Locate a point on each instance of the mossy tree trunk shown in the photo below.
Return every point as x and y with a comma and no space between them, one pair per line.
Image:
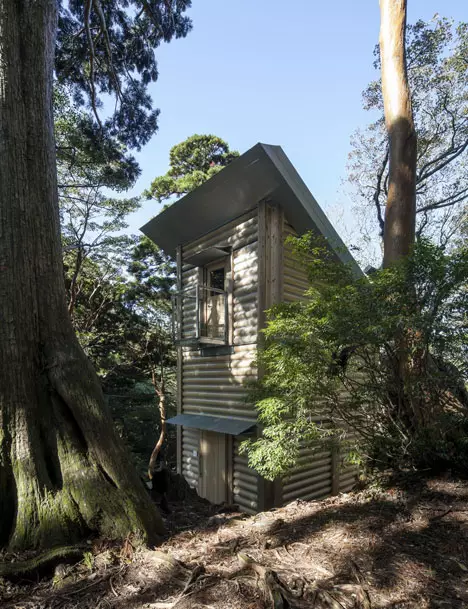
64,473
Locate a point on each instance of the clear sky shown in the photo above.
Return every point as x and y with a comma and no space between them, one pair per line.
278,72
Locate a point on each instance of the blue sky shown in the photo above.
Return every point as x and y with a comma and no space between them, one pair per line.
287,73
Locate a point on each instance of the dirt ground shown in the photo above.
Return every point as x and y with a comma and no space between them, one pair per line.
401,546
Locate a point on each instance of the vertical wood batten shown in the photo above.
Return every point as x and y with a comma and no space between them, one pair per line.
270,292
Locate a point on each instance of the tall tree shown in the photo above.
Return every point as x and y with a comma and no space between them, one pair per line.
436,54
63,470
400,211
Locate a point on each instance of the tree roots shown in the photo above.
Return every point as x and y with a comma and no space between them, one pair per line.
43,560
276,593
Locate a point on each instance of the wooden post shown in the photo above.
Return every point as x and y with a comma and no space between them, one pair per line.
270,292
335,465
229,469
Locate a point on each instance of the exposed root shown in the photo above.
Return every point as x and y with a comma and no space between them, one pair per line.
46,559
278,596
276,593
189,588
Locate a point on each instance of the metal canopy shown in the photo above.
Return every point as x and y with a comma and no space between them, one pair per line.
233,427
262,173
206,256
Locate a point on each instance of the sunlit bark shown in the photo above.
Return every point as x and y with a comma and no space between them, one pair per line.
400,211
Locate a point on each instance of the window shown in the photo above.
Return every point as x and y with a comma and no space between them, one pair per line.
214,311
200,312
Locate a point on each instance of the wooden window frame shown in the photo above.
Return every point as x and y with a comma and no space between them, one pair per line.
204,274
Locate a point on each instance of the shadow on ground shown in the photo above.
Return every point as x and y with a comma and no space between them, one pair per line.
406,545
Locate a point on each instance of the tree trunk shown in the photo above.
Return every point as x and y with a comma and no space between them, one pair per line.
400,211
64,473
160,390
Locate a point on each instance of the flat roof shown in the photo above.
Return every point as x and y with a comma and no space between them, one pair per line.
262,173
233,427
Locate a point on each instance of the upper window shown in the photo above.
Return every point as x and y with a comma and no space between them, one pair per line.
214,311
200,312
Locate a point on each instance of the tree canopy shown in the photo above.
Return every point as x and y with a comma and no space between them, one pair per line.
437,58
192,162
107,48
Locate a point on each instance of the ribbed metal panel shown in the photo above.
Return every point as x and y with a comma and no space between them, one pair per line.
294,277
348,472
245,282
189,280
312,478
348,477
245,482
190,458
215,384
235,234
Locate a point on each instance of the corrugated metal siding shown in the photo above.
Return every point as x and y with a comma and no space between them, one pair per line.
245,308
190,458
294,277
235,234
245,482
189,280
214,384
312,478
348,475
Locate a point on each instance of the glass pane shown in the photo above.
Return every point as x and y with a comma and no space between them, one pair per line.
214,305
216,279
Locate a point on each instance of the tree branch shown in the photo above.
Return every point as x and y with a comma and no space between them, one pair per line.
378,192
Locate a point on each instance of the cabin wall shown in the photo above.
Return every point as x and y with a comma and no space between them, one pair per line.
245,482
320,471
263,272
294,277
212,383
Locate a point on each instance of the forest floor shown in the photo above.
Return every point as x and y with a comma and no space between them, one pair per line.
400,545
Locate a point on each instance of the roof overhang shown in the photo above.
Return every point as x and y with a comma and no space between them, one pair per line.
206,256
233,427
262,173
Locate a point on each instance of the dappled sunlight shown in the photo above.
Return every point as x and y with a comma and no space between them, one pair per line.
392,544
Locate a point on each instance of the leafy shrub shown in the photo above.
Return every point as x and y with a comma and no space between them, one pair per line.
380,360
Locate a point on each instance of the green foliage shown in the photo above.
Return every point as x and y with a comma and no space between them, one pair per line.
333,363
88,560
121,315
438,78
192,162
122,310
86,158
106,49
134,409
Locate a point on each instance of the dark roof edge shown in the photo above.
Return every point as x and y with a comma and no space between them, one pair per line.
294,181
307,214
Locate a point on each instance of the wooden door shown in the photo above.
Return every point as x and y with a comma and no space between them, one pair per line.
213,466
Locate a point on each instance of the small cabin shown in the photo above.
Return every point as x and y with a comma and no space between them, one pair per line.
228,237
